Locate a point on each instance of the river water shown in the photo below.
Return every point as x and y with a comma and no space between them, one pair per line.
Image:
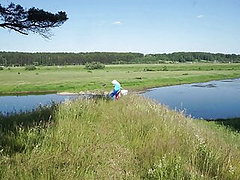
16,104
210,100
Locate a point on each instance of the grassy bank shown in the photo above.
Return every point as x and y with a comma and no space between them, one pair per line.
233,123
132,138
135,77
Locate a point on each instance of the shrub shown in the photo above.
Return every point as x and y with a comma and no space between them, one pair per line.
165,68
94,65
1,68
147,69
30,68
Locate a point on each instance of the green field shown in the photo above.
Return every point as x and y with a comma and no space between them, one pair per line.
132,77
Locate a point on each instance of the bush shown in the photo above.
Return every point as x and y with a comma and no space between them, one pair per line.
94,65
1,68
165,68
30,68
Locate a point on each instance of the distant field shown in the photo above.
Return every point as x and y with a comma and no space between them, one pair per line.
133,77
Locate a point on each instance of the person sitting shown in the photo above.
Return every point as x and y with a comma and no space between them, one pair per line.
115,94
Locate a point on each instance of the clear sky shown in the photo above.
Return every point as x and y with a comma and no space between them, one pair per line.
146,26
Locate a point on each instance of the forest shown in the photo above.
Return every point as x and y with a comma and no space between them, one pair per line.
51,59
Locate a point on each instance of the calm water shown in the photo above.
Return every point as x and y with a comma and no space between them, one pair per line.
16,104
211,100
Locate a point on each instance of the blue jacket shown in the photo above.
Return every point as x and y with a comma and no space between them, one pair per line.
116,89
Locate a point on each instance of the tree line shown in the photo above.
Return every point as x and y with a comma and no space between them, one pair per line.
50,59
194,57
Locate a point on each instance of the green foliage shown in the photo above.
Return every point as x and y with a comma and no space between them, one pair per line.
15,127
1,68
35,20
231,123
94,65
51,59
165,68
30,68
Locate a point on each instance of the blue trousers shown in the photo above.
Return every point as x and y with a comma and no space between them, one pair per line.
114,93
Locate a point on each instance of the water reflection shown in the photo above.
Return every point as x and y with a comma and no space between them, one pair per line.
205,85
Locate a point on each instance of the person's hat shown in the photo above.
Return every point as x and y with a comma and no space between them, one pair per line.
114,82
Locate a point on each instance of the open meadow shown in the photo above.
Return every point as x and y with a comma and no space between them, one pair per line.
132,77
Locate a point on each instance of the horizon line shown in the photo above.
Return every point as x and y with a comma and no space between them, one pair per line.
72,52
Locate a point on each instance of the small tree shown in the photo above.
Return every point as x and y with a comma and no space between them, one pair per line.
94,65
30,68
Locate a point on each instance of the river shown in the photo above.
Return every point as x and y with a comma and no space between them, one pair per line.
209,100
16,104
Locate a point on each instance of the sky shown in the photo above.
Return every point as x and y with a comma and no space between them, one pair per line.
145,26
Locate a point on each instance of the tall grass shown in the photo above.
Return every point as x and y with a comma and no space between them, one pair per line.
133,138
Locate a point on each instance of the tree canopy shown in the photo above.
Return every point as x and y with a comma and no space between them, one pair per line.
50,59
34,20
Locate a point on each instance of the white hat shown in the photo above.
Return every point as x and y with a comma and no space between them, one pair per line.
115,82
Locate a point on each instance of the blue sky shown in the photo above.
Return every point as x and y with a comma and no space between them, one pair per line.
146,26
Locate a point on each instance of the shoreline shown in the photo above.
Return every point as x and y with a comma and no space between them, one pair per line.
99,94
89,92
140,91
24,93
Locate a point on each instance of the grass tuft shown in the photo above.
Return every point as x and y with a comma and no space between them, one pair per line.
133,138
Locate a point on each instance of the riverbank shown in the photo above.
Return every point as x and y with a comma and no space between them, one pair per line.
74,79
233,123
132,138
